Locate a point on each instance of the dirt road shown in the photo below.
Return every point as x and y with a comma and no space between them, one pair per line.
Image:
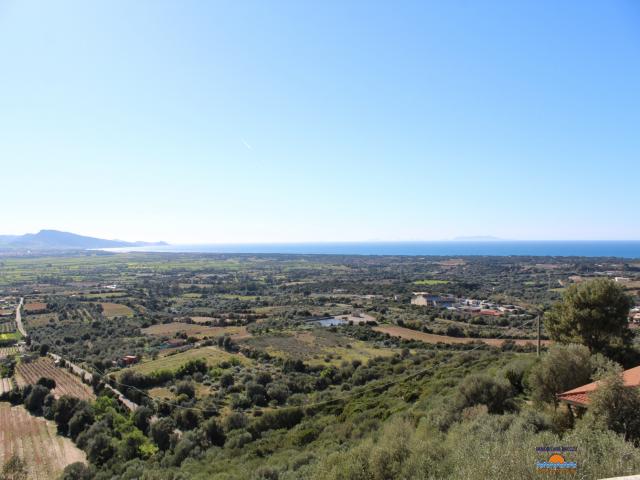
19,319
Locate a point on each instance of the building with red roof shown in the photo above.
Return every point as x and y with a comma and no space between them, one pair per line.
580,396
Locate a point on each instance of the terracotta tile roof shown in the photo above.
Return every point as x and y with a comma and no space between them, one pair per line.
575,398
580,395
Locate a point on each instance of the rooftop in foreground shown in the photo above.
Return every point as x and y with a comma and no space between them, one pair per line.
580,395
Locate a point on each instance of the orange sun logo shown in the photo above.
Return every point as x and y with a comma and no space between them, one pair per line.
555,458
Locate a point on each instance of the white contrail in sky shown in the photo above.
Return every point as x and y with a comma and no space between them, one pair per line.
246,144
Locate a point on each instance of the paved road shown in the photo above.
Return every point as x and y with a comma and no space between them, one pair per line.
19,319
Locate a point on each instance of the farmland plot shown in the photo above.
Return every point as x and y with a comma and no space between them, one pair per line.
8,351
195,330
35,440
7,327
66,383
40,320
212,355
111,310
35,307
6,385
318,347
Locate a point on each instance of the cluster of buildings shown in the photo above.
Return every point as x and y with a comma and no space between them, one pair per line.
465,305
634,314
7,306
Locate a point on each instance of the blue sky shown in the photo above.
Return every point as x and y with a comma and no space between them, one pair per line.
280,121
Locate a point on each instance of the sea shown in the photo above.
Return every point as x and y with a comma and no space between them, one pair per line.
620,249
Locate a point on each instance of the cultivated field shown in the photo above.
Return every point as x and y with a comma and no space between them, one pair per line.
35,307
7,327
10,337
41,319
203,319
319,347
66,383
6,385
35,440
111,310
8,351
409,334
194,330
212,355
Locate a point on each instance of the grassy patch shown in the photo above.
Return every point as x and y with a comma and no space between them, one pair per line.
194,330
10,336
231,296
116,310
318,347
212,355
429,281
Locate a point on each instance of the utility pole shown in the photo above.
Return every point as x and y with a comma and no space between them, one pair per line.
538,344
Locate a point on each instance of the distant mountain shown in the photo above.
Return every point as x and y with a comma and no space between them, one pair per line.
55,239
7,238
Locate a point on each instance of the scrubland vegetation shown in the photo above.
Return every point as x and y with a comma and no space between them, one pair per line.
234,378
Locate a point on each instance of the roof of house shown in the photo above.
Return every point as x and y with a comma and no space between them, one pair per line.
580,395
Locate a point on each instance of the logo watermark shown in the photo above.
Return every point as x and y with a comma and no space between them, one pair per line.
557,460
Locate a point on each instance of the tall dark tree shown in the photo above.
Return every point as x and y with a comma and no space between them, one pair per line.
141,418
77,471
100,449
593,313
35,400
214,432
64,409
161,432
81,420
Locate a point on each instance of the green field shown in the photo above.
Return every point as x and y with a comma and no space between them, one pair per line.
212,355
10,336
318,347
430,282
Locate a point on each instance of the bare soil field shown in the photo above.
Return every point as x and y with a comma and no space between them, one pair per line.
409,334
35,307
195,330
111,310
203,319
35,440
6,385
66,383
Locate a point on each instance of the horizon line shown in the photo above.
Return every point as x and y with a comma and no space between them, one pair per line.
315,242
